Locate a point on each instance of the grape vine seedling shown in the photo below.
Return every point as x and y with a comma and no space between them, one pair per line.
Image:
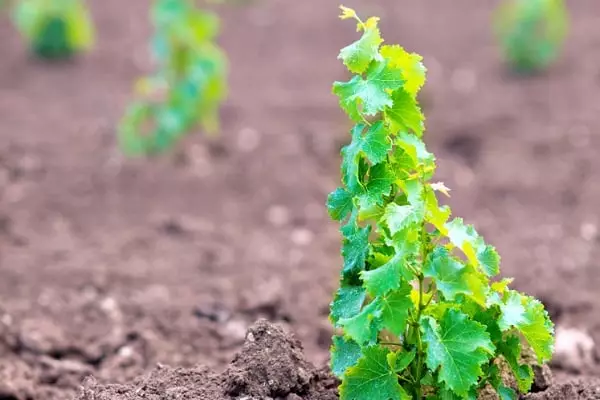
417,313
54,29
187,89
531,32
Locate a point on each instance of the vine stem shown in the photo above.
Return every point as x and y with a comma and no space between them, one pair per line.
420,308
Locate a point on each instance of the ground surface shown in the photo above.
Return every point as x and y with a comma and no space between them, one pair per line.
108,266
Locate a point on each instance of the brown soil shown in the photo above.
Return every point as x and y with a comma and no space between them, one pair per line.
271,365
109,266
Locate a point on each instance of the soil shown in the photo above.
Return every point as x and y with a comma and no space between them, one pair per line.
109,266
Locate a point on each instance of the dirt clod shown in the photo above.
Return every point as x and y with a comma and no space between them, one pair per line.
271,365
543,378
578,389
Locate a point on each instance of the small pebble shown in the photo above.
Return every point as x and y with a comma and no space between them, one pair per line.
464,80
278,215
588,231
248,140
302,236
574,349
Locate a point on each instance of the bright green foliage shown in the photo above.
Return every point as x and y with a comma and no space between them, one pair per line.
457,347
531,32
54,29
417,313
373,377
188,87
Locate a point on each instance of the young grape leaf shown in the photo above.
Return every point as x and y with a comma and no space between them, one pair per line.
363,327
529,317
399,218
457,346
448,273
416,149
358,56
414,191
375,143
512,311
387,277
506,393
511,350
344,354
489,260
347,302
413,70
478,253
379,184
372,378
339,204
355,250
350,158
371,95
400,360
446,394
436,215
404,114
395,307
381,280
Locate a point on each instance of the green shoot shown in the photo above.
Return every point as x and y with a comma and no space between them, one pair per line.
416,312
531,32
189,86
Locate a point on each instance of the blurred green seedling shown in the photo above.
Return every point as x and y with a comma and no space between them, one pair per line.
417,315
54,29
531,32
189,84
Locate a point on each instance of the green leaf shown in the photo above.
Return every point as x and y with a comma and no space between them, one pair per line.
506,393
446,394
344,354
413,70
347,302
386,78
416,149
512,312
472,245
368,96
358,56
372,378
400,360
448,274
402,163
457,346
436,215
414,190
395,308
404,113
350,158
529,317
355,250
511,350
375,143
379,184
380,280
489,260
339,204
399,218
363,327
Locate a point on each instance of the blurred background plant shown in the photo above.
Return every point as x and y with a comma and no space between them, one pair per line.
531,32
188,86
56,28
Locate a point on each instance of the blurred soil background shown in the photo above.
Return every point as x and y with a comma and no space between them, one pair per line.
110,265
